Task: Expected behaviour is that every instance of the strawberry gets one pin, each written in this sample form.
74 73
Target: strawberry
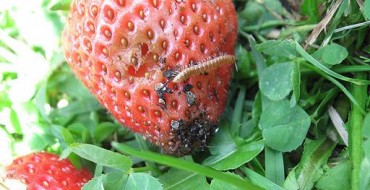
128 52
44 170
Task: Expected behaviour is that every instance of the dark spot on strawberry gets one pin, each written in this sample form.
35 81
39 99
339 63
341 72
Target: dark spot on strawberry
214 93
161 89
169 74
190 98
162 60
187 87
189 136
175 124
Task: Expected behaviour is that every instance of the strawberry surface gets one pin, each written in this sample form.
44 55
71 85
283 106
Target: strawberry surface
41 170
127 52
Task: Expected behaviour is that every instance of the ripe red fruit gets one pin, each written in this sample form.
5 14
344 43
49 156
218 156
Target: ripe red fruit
44 170
128 52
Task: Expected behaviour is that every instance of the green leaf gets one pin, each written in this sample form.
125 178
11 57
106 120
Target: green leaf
367 9
41 141
222 143
364 173
296 81
257 56
279 48
179 179
80 132
67 136
235 157
315 155
14 119
104 130
291 181
142 181
244 63
99 156
310 8
64 115
334 54
276 81
327 71
332 181
221 185
284 128
61 5
111 181
238 111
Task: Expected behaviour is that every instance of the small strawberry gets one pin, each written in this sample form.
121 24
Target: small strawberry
128 52
44 170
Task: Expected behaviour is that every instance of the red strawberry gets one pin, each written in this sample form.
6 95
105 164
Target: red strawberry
127 53
44 170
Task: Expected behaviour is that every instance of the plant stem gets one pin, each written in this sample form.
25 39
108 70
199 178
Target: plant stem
355 121
187 166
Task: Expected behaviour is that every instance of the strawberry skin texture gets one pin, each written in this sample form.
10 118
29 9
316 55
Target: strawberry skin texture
42 170
127 51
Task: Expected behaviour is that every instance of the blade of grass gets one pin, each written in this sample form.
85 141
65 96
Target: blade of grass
353 26
185 165
258 58
337 83
352 68
323 23
338 124
356 120
238 110
326 70
258 179
335 22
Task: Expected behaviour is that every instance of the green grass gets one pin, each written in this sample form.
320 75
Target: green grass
276 132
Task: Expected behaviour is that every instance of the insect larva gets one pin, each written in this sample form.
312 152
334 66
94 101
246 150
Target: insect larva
205 66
